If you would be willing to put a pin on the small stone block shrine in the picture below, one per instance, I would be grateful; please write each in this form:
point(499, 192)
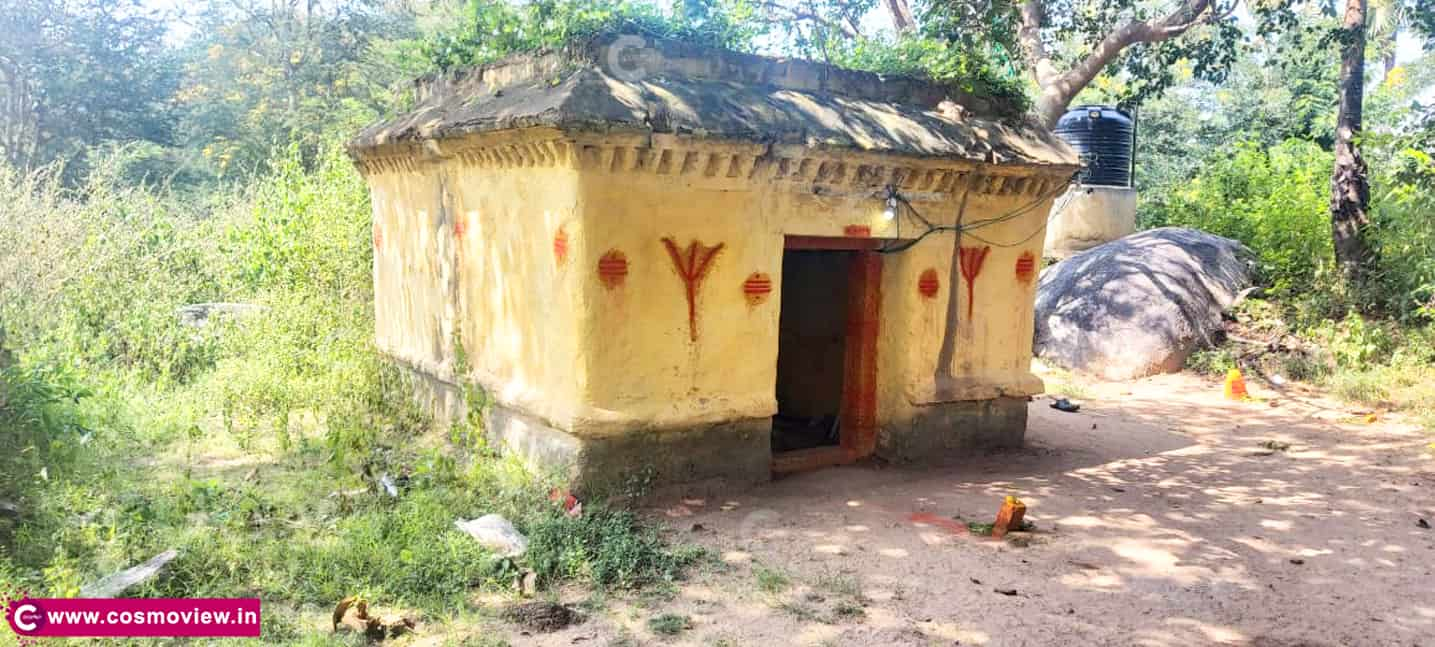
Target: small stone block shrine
point(697, 266)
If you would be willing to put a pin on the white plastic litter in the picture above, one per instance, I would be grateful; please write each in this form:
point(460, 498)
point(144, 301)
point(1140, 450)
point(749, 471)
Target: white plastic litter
point(496, 534)
point(117, 583)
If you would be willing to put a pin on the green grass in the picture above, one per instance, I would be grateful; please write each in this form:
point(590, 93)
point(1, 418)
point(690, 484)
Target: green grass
point(272, 523)
point(981, 529)
point(1212, 362)
point(1062, 383)
point(251, 447)
point(847, 610)
point(770, 580)
point(669, 624)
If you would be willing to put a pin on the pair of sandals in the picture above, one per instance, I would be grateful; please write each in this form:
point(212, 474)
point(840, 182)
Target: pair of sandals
point(1063, 404)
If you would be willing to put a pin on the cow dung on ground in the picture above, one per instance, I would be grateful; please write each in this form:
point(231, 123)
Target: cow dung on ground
point(542, 616)
point(1139, 305)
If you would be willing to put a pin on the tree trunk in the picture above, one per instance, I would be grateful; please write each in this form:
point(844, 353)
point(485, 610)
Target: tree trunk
point(1058, 88)
point(1349, 184)
point(901, 13)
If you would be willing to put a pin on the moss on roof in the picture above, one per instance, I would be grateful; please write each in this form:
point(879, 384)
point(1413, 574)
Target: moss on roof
point(635, 84)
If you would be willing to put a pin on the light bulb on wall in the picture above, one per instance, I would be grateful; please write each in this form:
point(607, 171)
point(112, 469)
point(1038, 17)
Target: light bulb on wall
point(890, 213)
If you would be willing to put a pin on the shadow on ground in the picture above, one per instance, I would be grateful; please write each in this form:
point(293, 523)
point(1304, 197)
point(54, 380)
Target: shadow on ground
point(1165, 516)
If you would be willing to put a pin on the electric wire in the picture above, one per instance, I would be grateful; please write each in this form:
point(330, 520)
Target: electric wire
point(962, 228)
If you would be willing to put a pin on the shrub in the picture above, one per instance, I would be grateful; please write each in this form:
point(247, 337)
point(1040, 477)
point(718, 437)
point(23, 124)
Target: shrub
point(110, 467)
point(1274, 200)
point(1354, 342)
point(42, 432)
point(1403, 236)
point(1212, 362)
point(94, 275)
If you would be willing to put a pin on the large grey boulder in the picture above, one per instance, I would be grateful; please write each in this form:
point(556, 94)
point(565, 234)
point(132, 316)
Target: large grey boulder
point(1139, 305)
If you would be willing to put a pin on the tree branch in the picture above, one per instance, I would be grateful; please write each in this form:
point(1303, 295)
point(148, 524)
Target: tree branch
point(781, 13)
point(1057, 90)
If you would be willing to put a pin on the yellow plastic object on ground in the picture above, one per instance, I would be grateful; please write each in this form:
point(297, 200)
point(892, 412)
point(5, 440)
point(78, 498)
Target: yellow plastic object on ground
point(1236, 385)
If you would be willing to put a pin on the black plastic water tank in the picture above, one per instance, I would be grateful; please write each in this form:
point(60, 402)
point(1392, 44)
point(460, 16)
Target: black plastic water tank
point(1104, 138)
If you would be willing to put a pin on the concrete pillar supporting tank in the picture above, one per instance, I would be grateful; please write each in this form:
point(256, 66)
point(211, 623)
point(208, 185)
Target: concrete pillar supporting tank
point(1087, 216)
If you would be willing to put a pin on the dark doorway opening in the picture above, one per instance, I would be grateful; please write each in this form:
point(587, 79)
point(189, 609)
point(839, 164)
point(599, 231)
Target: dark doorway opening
point(827, 353)
point(811, 349)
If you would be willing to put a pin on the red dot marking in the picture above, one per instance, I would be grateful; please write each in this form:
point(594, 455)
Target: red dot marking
point(756, 288)
point(560, 246)
point(928, 283)
point(1026, 267)
point(613, 268)
point(857, 231)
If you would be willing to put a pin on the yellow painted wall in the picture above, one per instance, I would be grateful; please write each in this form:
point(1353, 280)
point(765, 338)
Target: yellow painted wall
point(645, 368)
point(467, 257)
point(552, 340)
point(412, 258)
point(993, 347)
point(519, 326)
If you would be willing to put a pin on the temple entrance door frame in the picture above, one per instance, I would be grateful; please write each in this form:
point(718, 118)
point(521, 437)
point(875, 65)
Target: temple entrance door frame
point(857, 428)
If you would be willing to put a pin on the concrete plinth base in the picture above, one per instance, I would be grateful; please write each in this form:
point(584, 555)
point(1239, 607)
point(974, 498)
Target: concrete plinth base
point(1087, 216)
point(947, 431)
point(716, 458)
point(698, 459)
point(704, 459)
point(440, 399)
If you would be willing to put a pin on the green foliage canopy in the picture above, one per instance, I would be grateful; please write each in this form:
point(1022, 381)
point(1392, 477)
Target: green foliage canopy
point(76, 73)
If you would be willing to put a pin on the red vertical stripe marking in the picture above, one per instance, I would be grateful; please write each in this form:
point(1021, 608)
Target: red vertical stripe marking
point(560, 246)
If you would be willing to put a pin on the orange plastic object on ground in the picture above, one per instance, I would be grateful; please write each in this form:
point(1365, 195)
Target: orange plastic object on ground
point(1009, 517)
point(1235, 385)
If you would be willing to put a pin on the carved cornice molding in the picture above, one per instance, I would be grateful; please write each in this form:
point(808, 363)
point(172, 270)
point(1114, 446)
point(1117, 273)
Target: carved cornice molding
point(730, 165)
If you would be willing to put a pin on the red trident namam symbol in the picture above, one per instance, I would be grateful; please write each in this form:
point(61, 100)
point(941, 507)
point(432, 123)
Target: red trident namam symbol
point(971, 265)
point(692, 265)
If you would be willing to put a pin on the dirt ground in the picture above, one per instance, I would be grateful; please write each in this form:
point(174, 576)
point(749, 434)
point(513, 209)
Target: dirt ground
point(1162, 517)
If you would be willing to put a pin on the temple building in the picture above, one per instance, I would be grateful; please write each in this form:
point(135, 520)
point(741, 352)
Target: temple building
point(640, 257)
